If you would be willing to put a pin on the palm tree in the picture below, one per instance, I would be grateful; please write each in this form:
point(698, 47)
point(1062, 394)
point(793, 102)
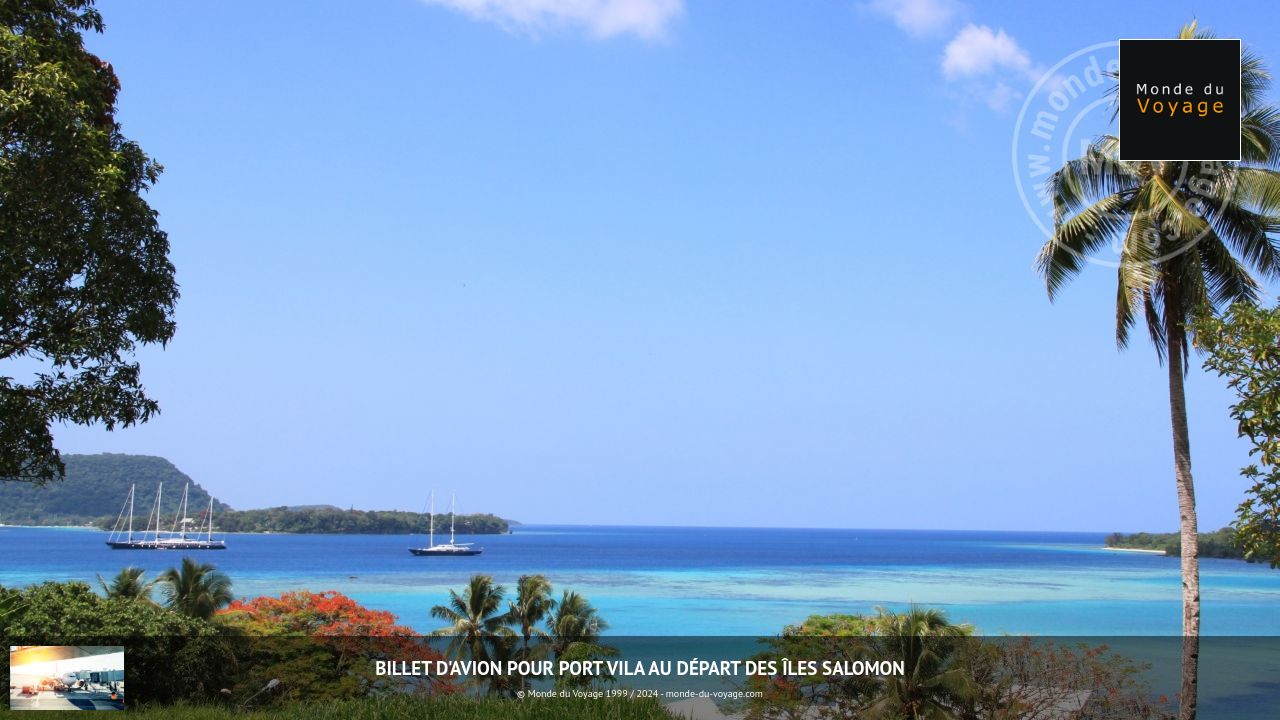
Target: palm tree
point(532, 605)
point(574, 629)
point(128, 584)
point(197, 589)
point(476, 627)
point(1189, 233)
point(934, 686)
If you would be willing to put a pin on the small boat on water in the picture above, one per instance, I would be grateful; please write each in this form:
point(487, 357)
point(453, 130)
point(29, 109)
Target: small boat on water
point(451, 548)
point(178, 537)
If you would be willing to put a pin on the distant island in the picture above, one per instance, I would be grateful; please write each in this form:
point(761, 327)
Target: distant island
point(96, 486)
point(1216, 544)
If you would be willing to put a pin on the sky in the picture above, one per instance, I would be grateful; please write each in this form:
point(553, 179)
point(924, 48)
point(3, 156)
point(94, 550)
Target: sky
point(641, 262)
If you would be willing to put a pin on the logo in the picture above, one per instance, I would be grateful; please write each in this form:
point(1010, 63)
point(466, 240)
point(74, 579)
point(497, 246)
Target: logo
point(1071, 116)
point(1179, 100)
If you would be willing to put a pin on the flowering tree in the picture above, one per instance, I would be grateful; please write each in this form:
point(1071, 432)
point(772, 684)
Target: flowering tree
point(324, 644)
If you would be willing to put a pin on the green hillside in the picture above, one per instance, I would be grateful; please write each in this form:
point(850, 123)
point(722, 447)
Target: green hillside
point(96, 487)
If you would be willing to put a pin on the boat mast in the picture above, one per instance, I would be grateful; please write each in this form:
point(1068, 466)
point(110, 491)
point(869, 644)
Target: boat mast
point(210, 537)
point(182, 513)
point(453, 502)
point(159, 493)
point(431, 519)
point(132, 488)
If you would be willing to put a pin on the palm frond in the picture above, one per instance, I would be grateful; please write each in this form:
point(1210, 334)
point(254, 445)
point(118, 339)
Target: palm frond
point(1135, 275)
point(1260, 135)
point(1062, 257)
point(1098, 173)
point(1254, 80)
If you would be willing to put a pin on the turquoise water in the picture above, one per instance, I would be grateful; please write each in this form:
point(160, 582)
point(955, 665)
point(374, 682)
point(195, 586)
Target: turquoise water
point(726, 581)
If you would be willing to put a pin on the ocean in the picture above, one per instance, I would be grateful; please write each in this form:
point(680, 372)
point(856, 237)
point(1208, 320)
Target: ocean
point(724, 581)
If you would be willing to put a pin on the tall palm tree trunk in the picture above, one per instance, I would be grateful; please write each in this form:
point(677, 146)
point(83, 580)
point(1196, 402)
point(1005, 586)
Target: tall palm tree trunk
point(1186, 508)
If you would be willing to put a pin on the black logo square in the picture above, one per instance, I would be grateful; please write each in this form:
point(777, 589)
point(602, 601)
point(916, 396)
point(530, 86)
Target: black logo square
point(1179, 100)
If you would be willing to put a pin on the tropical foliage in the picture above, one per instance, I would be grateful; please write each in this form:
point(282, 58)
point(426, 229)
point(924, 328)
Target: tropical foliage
point(1217, 544)
point(479, 629)
point(949, 674)
point(128, 584)
point(1192, 236)
point(322, 645)
point(94, 488)
point(171, 656)
point(326, 519)
point(195, 589)
point(1243, 346)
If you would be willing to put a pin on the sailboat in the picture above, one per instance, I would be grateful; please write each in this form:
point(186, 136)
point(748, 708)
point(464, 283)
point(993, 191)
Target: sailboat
point(451, 548)
point(178, 537)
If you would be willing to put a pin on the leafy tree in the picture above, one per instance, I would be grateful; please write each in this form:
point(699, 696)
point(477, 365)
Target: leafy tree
point(1189, 232)
point(321, 646)
point(1243, 345)
point(949, 674)
point(171, 656)
point(85, 276)
point(837, 637)
point(129, 585)
point(196, 589)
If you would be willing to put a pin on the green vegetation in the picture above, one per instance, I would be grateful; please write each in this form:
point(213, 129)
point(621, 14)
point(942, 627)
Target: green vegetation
point(94, 490)
point(198, 647)
point(1242, 347)
point(1191, 236)
point(325, 519)
point(479, 629)
point(85, 277)
point(196, 589)
point(171, 656)
point(96, 486)
point(948, 673)
point(129, 585)
point(1217, 544)
point(437, 708)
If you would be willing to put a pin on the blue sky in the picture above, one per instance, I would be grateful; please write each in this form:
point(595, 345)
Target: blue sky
point(640, 261)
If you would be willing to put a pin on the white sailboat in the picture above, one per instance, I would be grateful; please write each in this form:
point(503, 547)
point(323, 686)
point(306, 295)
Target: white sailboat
point(451, 548)
point(121, 537)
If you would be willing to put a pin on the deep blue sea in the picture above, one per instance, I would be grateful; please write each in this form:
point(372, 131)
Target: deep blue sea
point(725, 581)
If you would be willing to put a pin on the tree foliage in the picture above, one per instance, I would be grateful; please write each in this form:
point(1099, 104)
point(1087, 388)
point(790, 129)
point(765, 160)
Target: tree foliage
point(128, 584)
point(94, 488)
point(85, 276)
point(478, 630)
point(1243, 346)
point(171, 656)
point(195, 589)
point(322, 646)
point(950, 674)
point(1216, 544)
point(370, 522)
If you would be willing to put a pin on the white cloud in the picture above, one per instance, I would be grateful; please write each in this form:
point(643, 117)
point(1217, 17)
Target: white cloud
point(978, 50)
point(646, 19)
point(917, 17)
point(988, 65)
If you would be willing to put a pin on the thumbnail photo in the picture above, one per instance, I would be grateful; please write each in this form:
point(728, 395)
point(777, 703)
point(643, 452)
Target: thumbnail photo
point(66, 677)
